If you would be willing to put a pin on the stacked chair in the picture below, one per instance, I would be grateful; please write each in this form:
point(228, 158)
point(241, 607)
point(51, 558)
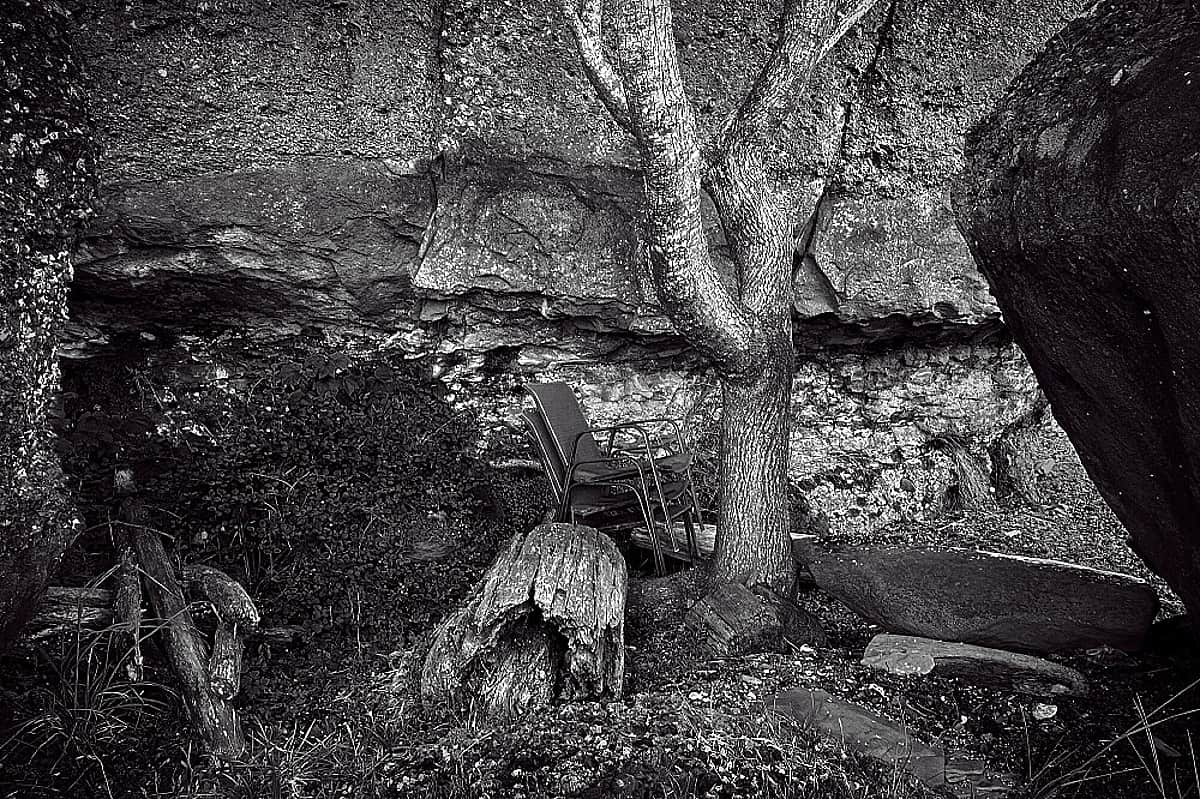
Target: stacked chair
point(634, 482)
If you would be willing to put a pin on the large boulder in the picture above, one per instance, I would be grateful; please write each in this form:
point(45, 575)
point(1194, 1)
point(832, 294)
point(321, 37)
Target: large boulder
point(515, 193)
point(994, 600)
point(441, 178)
point(1081, 204)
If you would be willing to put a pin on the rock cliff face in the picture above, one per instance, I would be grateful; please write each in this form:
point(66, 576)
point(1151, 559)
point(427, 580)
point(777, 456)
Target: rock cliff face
point(46, 194)
point(1083, 205)
point(439, 176)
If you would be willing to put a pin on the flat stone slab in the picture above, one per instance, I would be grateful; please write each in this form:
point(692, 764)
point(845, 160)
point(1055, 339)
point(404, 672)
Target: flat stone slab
point(863, 732)
point(991, 599)
point(1026, 674)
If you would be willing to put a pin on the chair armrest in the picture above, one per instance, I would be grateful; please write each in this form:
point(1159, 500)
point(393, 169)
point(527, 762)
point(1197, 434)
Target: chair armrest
point(640, 427)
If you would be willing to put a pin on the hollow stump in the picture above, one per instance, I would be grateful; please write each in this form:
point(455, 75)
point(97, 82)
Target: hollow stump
point(545, 622)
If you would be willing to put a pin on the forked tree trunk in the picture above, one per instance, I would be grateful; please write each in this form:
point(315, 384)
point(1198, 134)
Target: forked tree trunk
point(744, 331)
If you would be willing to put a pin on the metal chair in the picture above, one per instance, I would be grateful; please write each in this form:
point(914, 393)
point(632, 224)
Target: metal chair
point(624, 485)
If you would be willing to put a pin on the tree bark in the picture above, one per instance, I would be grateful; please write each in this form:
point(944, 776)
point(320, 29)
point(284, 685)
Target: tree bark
point(545, 622)
point(48, 165)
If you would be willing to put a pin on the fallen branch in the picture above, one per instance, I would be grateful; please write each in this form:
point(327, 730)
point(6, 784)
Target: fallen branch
point(211, 713)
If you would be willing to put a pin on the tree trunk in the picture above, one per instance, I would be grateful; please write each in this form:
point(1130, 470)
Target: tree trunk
point(744, 330)
point(49, 185)
point(752, 545)
point(758, 215)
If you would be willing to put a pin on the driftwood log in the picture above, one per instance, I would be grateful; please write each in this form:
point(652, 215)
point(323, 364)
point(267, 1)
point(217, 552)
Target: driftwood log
point(211, 714)
point(545, 622)
point(64, 609)
point(128, 608)
point(236, 615)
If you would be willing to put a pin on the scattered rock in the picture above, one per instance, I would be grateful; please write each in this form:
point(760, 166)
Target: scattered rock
point(1043, 711)
point(990, 599)
point(863, 732)
point(906, 654)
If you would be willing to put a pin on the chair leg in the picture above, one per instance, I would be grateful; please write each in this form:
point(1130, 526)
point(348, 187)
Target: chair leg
point(689, 527)
point(660, 562)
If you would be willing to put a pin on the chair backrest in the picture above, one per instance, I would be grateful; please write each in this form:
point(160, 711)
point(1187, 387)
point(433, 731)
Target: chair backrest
point(544, 443)
point(565, 421)
point(556, 472)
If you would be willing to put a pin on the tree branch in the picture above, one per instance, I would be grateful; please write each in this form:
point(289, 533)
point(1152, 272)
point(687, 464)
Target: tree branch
point(585, 27)
point(808, 31)
point(699, 303)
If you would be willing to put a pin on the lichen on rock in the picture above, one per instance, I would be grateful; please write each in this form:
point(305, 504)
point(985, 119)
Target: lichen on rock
point(47, 169)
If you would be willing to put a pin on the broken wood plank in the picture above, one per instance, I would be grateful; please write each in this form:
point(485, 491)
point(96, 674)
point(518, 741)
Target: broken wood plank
point(65, 609)
point(674, 544)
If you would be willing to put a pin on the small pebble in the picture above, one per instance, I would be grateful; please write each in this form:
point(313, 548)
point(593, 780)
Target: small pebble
point(1043, 711)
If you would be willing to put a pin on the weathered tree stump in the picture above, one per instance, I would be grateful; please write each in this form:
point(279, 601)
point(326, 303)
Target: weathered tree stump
point(1013, 454)
point(734, 619)
point(545, 622)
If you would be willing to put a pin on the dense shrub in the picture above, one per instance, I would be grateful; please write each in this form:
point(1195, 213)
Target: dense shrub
point(345, 493)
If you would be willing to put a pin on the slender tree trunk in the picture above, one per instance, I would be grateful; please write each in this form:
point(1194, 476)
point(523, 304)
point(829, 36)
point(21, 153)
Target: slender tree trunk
point(758, 216)
point(745, 331)
point(753, 544)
